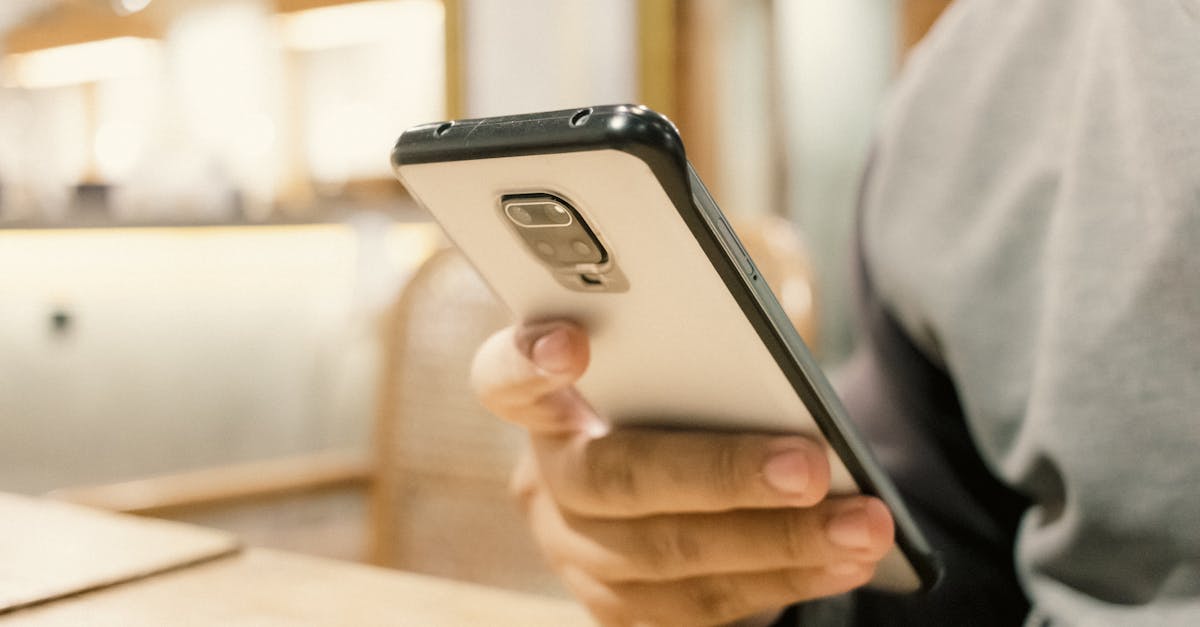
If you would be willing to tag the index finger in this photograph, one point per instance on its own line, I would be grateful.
(524, 374)
(636, 472)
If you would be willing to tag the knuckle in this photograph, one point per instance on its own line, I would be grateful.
(667, 550)
(796, 543)
(713, 598)
(728, 472)
(798, 581)
(608, 477)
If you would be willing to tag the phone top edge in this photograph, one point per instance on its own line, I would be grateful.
(634, 129)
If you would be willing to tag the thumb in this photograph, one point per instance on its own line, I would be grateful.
(524, 374)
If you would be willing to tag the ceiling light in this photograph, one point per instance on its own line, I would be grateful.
(80, 63)
(129, 7)
(355, 23)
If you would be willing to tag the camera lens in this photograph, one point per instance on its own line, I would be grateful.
(520, 215)
(545, 248)
(557, 215)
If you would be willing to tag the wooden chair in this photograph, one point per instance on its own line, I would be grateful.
(440, 503)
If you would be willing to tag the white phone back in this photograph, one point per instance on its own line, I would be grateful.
(673, 350)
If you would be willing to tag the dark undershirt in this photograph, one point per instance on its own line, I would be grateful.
(907, 408)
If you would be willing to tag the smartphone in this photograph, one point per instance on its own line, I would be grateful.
(595, 215)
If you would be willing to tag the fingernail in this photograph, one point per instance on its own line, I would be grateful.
(551, 352)
(788, 471)
(850, 528)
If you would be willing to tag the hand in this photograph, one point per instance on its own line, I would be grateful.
(670, 527)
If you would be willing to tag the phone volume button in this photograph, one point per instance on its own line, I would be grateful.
(726, 233)
(735, 247)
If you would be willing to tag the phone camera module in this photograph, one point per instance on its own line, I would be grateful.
(554, 232)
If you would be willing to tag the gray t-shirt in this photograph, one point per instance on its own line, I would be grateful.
(1032, 222)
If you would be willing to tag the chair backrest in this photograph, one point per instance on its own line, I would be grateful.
(440, 503)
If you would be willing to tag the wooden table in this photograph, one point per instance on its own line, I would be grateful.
(227, 586)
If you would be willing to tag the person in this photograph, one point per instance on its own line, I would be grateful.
(1029, 368)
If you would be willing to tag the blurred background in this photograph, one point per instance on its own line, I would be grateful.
(218, 306)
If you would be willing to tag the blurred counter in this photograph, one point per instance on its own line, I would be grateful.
(129, 352)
